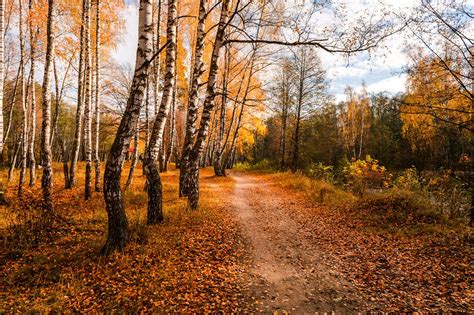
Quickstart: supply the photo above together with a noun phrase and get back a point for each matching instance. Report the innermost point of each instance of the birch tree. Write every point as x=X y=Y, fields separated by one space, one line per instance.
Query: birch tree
x=193 y=99
x=34 y=31
x=88 y=102
x=24 y=114
x=150 y=165
x=194 y=157
x=46 y=155
x=80 y=103
x=117 y=219
x=97 y=97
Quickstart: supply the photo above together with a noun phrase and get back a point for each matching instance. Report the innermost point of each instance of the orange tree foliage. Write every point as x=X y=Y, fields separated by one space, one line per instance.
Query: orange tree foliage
x=433 y=102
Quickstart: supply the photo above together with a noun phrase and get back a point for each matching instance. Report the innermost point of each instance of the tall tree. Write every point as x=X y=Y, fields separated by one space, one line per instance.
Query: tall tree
x=97 y=97
x=117 y=219
x=34 y=31
x=80 y=102
x=194 y=157
x=310 y=89
x=150 y=165
x=24 y=114
x=88 y=102
x=46 y=154
x=191 y=118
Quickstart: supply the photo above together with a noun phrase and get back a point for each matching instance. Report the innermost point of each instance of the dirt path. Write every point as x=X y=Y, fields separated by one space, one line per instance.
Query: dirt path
x=287 y=271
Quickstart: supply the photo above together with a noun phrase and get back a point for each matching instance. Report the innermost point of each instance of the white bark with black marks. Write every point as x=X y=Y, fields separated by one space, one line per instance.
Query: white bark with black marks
x=150 y=165
x=193 y=197
x=117 y=219
x=46 y=154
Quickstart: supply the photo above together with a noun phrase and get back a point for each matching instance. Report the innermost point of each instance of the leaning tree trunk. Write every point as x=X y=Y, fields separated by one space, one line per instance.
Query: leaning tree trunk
x=150 y=165
x=2 y=5
x=193 y=181
x=31 y=143
x=192 y=102
x=117 y=219
x=97 y=99
x=46 y=156
x=24 y=115
x=80 y=105
x=88 y=105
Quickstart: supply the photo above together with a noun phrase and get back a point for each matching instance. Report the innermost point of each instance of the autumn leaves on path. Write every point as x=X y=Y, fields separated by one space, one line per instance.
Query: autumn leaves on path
x=287 y=272
x=307 y=257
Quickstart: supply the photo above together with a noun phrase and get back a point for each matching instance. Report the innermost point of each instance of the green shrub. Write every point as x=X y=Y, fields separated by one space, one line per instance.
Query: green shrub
x=321 y=171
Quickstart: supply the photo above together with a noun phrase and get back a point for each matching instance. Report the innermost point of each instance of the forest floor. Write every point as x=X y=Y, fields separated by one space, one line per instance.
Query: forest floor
x=254 y=245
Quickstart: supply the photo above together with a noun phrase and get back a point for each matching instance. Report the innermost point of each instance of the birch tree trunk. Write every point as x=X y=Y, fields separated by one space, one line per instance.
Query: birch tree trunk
x=2 y=17
x=46 y=156
x=24 y=114
x=88 y=104
x=193 y=197
x=117 y=219
x=192 y=102
x=31 y=147
x=219 y=169
x=150 y=165
x=97 y=97
x=80 y=105
x=134 y=158
x=157 y=61
x=171 y=130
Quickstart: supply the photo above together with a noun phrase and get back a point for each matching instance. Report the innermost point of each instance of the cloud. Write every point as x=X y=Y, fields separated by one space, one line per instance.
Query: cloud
x=125 y=53
x=392 y=84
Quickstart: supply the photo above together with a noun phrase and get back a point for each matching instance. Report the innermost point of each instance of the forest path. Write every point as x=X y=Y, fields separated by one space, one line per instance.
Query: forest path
x=287 y=272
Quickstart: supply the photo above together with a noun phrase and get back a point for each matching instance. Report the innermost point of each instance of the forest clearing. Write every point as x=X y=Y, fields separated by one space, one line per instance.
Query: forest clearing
x=236 y=156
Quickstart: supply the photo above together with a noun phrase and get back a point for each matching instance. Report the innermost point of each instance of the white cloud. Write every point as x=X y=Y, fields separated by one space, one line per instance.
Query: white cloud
x=392 y=84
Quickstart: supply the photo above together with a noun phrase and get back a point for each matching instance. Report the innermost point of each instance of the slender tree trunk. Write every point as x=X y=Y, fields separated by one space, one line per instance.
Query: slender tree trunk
x=134 y=158
x=31 y=147
x=97 y=98
x=12 y=107
x=219 y=167
x=193 y=197
x=157 y=61
x=296 y=147
x=117 y=219
x=2 y=16
x=13 y=163
x=171 y=130
x=46 y=156
x=24 y=114
x=88 y=105
x=80 y=105
x=151 y=168
x=192 y=102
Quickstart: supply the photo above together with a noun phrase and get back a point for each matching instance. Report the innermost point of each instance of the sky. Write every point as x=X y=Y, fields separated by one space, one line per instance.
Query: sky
x=382 y=69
